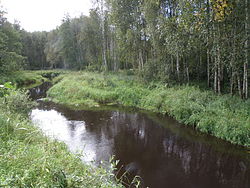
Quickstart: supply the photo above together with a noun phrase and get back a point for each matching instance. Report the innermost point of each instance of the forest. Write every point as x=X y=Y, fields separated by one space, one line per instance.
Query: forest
x=139 y=93
x=204 y=42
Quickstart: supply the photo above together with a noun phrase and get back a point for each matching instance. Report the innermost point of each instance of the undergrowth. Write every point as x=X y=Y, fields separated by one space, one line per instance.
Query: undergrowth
x=29 y=79
x=29 y=159
x=225 y=117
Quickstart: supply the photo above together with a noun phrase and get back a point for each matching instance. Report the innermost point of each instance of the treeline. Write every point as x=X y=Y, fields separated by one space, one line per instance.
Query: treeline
x=10 y=46
x=20 y=49
x=177 y=41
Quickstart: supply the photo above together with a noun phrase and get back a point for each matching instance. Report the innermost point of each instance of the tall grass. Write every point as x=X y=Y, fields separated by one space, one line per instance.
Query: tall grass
x=224 y=116
x=28 y=159
x=29 y=79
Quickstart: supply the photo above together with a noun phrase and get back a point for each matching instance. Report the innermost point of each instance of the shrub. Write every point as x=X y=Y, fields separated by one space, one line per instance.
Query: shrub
x=18 y=101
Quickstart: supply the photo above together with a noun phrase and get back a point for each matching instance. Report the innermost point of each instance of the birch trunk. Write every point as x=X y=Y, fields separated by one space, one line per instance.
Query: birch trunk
x=187 y=71
x=208 y=68
x=208 y=51
x=215 y=75
x=178 y=66
x=104 y=58
x=172 y=63
x=232 y=62
x=245 y=76
x=239 y=85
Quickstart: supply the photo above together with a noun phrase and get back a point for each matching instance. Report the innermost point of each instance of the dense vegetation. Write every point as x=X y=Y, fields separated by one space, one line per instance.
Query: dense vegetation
x=177 y=41
x=225 y=117
x=29 y=79
x=10 y=46
x=168 y=44
x=29 y=159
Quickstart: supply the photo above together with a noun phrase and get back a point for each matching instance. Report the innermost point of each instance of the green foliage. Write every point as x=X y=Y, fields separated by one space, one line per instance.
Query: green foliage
x=28 y=159
x=15 y=100
x=10 y=46
x=130 y=96
x=22 y=78
x=10 y=61
x=178 y=41
x=33 y=47
x=75 y=44
x=5 y=89
x=18 y=101
x=29 y=79
x=99 y=92
x=225 y=117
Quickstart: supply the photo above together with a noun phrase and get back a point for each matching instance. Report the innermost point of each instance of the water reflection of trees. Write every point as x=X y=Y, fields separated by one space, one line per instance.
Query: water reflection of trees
x=161 y=158
x=168 y=159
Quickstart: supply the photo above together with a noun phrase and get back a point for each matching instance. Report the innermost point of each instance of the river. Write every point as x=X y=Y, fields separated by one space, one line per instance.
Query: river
x=160 y=150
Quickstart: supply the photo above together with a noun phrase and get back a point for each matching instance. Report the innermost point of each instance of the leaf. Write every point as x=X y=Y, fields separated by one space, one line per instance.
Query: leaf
x=8 y=85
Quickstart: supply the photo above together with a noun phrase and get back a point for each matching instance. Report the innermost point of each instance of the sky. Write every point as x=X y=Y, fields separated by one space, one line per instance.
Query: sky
x=43 y=15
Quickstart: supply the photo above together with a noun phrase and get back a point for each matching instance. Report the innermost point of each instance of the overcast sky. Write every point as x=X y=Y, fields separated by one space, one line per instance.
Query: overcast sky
x=43 y=15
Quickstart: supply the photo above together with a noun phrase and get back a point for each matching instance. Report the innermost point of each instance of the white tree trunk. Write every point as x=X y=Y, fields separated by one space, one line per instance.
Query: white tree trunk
x=245 y=75
x=104 y=58
x=178 y=66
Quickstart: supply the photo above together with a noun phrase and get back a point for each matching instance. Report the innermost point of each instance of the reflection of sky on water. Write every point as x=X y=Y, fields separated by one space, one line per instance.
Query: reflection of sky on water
x=73 y=133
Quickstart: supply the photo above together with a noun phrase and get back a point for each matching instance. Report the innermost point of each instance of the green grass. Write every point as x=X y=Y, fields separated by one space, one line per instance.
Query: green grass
x=22 y=78
x=224 y=116
x=29 y=79
x=29 y=159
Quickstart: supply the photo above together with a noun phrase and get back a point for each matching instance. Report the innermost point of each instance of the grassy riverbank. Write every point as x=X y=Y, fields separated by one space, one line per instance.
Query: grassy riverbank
x=28 y=159
x=224 y=116
x=29 y=79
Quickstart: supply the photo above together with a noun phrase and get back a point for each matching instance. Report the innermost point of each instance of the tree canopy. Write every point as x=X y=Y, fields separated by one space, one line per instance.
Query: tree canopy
x=178 y=41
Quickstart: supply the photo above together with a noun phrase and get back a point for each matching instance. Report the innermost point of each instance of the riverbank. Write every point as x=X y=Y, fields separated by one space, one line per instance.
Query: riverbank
x=29 y=79
x=224 y=116
x=29 y=159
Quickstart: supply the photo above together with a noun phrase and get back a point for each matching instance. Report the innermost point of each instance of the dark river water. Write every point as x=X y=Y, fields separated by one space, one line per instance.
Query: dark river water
x=164 y=153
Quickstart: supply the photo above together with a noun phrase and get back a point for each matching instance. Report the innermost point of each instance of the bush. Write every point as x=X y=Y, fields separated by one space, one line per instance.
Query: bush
x=15 y=100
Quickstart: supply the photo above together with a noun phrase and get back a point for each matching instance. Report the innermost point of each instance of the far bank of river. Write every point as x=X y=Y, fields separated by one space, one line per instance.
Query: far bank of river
x=222 y=116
